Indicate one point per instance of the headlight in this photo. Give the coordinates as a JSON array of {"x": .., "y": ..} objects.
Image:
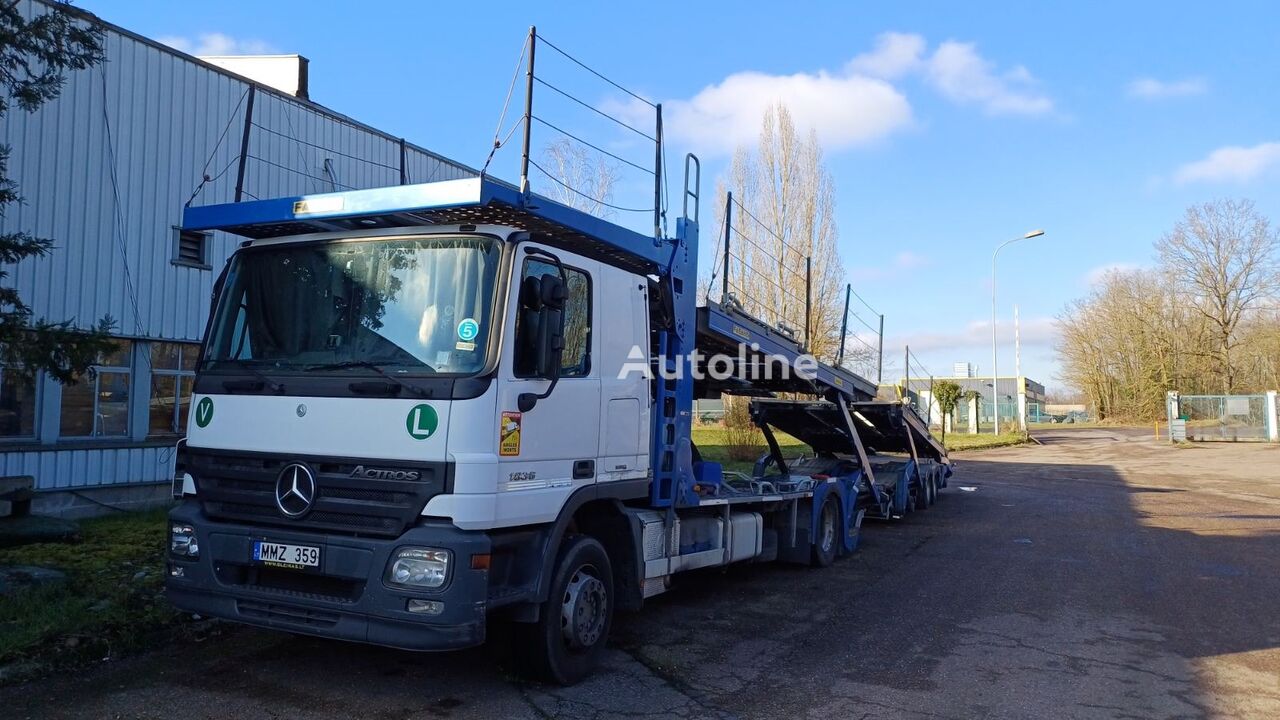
[
  {"x": 182, "y": 542},
  {"x": 418, "y": 567}
]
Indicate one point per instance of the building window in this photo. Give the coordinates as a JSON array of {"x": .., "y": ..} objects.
[
  {"x": 97, "y": 405},
  {"x": 191, "y": 248},
  {"x": 576, "y": 360},
  {"x": 173, "y": 371},
  {"x": 17, "y": 406}
]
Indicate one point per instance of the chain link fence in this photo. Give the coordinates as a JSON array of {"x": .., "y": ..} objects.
[{"x": 1224, "y": 417}]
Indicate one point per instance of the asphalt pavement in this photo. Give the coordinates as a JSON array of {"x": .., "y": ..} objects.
[{"x": 1098, "y": 575}]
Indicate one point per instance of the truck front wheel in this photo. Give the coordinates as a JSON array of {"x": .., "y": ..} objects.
[{"x": 566, "y": 643}]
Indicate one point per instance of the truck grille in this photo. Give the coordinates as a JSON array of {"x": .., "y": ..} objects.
[{"x": 241, "y": 486}]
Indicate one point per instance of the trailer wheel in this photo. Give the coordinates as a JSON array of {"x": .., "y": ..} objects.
[
  {"x": 925, "y": 500},
  {"x": 827, "y": 537},
  {"x": 566, "y": 643}
]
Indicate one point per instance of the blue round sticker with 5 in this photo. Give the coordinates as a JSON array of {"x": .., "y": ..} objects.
[{"x": 468, "y": 329}]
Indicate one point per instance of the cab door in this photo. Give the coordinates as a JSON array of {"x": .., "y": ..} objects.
[{"x": 546, "y": 453}]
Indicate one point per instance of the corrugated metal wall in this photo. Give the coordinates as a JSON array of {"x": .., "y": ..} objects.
[
  {"x": 68, "y": 469},
  {"x": 106, "y": 170}
]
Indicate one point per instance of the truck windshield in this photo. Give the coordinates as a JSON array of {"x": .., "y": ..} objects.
[{"x": 405, "y": 305}]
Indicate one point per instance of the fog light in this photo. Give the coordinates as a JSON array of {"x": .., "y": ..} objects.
[
  {"x": 182, "y": 541},
  {"x": 419, "y": 567},
  {"x": 426, "y": 607}
]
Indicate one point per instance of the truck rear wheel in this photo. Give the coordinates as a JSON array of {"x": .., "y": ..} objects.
[
  {"x": 566, "y": 643},
  {"x": 826, "y": 539}
]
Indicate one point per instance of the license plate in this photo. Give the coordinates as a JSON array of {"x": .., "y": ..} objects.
[{"x": 287, "y": 556}]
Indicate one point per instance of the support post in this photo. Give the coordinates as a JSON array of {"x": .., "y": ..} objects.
[
  {"x": 844, "y": 325},
  {"x": 1273, "y": 418},
  {"x": 906, "y": 375},
  {"x": 728, "y": 225},
  {"x": 404, "y": 170},
  {"x": 244, "y": 141},
  {"x": 880, "y": 350},
  {"x": 928, "y": 420},
  {"x": 528, "y": 111},
  {"x": 844, "y": 401},
  {"x": 657, "y": 176},
  {"x": 808, "y": 302}
]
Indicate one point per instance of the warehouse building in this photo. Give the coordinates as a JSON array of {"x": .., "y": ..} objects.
[
  {"x": 106, "y": 170},
  {"x": 1019, "y": 396}
]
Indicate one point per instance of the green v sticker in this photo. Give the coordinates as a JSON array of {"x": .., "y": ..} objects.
[{"x": 204, "y": 412}]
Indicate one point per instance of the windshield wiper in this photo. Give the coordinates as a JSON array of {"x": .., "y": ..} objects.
[
  {"x": 261, "y": 382},
  {"x": 397, "y": 383}
]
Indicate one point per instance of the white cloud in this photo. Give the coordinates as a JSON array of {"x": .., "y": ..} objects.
[
  {"x": 1148, "y": 88},
  {"x": 1032, "y": 332},
  {"x": 962, "y": 75},
  {"x": 1097, "y": 274},
  {"x": 902, "y": 262},
  {"x": 1231, "y": 164},
  {"x": 855, "y": 105},
  {"x": 894, "y": 55},
  {"x": 217, "y": 44},
  {"x": 907, "y": 260},
  {"x": 844, "y": 110}
]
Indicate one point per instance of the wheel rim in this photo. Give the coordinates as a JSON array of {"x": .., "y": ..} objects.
[
  {"x": 584, "y": 609},
  {"x": 828, "y": 527}
]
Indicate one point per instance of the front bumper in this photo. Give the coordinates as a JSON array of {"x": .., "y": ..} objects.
[{"x": 346, "y": 599}]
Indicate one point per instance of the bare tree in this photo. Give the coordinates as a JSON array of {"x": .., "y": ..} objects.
[
  {"x": 787, "y": 214},
  {"x": 582, "y": 179},
  {"x": 1205, "y": 320},
  {"x": 1224, "y": 255}
]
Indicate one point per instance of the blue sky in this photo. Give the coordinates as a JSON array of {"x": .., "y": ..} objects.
[{"x": 949, "y": 128}]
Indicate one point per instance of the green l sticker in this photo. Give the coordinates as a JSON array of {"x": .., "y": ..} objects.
[
  {"x": 422, "y": 422},
  {"x": 204, "y": 412}
]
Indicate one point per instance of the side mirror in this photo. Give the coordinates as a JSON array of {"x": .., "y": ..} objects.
[
  {"x": 550, "y": 341},
  {"x": 545, "y": 297}
]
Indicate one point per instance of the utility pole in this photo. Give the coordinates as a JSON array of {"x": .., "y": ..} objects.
[{"x": 1019, "y": 386}]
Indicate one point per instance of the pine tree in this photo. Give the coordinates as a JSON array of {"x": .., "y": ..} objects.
[{"x": 35, "y": 55}]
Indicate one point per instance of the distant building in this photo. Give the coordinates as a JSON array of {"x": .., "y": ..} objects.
[
  {"x": 1018, "y": 396},
  {"x": 106, "y": 170}
]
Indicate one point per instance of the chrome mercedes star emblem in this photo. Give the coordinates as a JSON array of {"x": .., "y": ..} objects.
[{"x": 295, "y": 490}]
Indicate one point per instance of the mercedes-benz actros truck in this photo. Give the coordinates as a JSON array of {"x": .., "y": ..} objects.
[{"x": 423, "y": 409}]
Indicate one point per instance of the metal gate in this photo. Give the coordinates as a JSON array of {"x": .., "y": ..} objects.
[{"x": 1227, "y": 418}]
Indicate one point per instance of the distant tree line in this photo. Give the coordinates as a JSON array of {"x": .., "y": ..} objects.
[{"x": 1205, "y": 320}]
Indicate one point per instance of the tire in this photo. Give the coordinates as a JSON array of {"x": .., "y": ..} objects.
[
  {"x": 566, "y": 643},
  {"x": 827, "y": 541}
]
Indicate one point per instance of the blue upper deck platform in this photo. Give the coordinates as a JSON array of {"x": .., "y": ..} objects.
[{"x": 471, "y": 201}]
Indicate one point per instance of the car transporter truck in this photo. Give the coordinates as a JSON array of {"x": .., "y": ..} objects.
[{"x": 424, "y": 408}]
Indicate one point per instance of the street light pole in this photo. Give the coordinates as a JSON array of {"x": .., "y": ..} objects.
[{"x": 995, "y": 372}]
